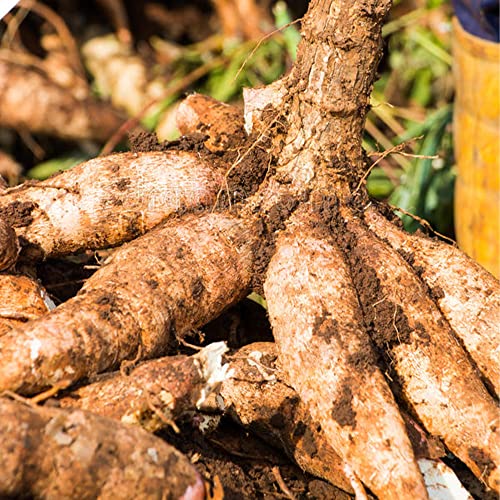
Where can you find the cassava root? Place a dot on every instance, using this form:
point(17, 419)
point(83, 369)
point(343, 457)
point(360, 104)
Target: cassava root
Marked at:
point(305, 218)
point(222, 123)
point(22, 299)
point(315, 317)
point(467, 294)
point(29, 100)
point(426, 362)
point(156, 392)
point(74, 454)
point(189, 271)
point(106, 201)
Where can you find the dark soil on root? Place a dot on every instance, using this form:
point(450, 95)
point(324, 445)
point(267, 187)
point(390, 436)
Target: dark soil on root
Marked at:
point(145, 142)
point(245, 161)
point(18, 214)
point(271, 222)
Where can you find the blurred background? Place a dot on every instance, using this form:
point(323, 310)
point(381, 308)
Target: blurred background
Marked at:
point(142, 57)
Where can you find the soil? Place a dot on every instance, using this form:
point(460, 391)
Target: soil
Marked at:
point(247, 171)
point(385, 321)
point(269, 224)
point(245, 466)
point(242, 324)
point(63, 278)
point(144, 142)
point(18, 214)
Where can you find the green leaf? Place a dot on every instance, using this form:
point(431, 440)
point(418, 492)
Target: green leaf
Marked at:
point(421, 92)
point(379, 185)
point(258, 299)
point(291, 34)
point(151, 120)
point(416, 185)
point(47, 168)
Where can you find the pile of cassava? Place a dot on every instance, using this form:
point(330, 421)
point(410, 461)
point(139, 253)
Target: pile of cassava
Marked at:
point(376, 331)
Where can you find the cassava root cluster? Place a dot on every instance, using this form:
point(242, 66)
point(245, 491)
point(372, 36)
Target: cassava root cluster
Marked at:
point(373, 327)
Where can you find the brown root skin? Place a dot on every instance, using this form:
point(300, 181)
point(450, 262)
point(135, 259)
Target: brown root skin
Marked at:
point(467, 294)
point(31, 101)
point(160, 286)
point(242, 19)
point(178, 277)
point(55, 453)
point(260, 400)
point(430, 366)
point(317, 324)
point(9, 244)
point(155, 393)
point(22, 299)
point(222, 123)
point(106, 201)
point(10, 170)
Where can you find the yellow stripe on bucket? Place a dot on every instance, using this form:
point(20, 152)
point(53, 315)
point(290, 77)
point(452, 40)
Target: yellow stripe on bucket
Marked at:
point(476, 126)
